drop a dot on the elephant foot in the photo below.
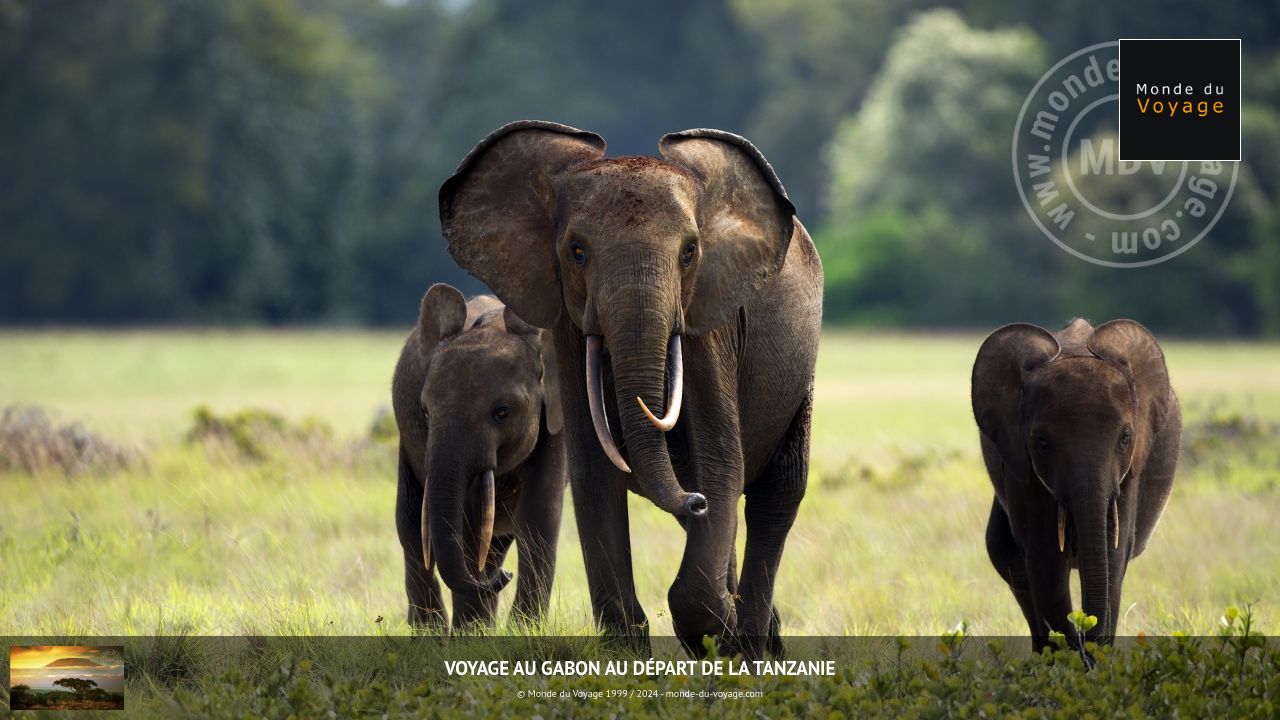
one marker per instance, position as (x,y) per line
(693,644)
(754,646)
(730,646)
(698,612)
(625,631)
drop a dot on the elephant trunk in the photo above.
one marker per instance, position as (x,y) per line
(595,397)
(642,376)
(1094,534)
(638,318)
(445,530)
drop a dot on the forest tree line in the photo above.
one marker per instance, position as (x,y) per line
(277,161)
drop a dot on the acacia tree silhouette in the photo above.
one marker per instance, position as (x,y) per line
(77,685)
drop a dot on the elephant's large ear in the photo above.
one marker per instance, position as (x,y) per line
(745,220)
(1135,350)
(541,339)
(996,391)
(497,211)
(551,385)
(442,315)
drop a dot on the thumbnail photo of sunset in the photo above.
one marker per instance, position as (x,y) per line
(66,677)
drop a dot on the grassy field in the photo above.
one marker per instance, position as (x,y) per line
(889,540)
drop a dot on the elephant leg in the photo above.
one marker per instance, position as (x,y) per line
(470,609)
(599,504)
(426,603)
(537,521)
(773,501)
(729,646)
(700,598)
(1011,564)
(731,573)
(1118,568)
(600,510)
(1049,575)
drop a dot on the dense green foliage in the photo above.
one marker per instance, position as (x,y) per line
(922,204)
(277,160)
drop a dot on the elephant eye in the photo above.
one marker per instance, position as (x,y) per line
(1125,440)
(500,413)
(1042,442)
(578,252)
(689,253)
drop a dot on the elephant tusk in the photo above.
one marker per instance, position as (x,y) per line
(595,398)
(1062,529)
(1115,524)
(486,520)
(675,363)
(426,533)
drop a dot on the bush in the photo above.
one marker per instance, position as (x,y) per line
(256,435)
(30,442)
(251,433)
(1234,448)
(383,429)
(1226,433)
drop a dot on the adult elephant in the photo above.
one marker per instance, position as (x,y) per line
(685,301)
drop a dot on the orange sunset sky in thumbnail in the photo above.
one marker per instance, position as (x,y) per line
(30,666)
(39,656)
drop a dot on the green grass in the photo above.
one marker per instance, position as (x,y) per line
(889,540)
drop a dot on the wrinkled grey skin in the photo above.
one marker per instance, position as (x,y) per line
(462,361)
(1076,420)
(701,244)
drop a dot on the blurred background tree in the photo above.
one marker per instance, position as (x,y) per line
(277,161)
(909,228)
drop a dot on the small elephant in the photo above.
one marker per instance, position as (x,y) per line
(1080,433)
(685,302)
(480,434)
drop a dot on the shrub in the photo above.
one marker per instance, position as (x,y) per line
(30,442)
(257,435)
(1226,433)
(383,429)
(1234,448)
(253,432)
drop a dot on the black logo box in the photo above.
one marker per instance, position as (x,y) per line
(1187,68)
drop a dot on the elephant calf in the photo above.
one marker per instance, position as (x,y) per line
(482,461)
(1080,433)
